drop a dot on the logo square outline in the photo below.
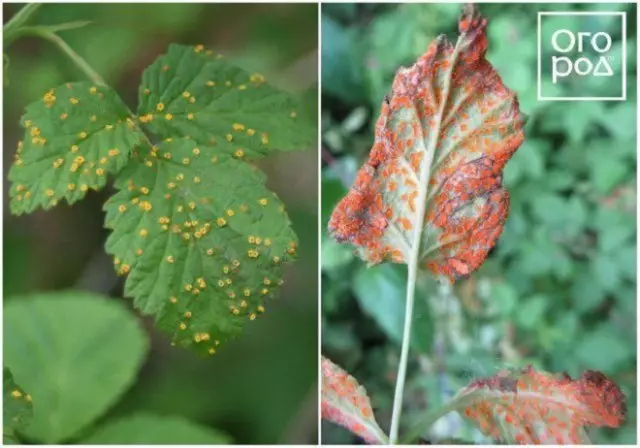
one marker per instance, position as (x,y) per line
(623,15)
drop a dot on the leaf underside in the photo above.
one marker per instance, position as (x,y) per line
(200,236)
(17,408)
(76,135)
(345,402)
(531,407)
(444,135)
(202,239)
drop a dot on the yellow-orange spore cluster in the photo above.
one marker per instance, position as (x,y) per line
(534,407)
(450,126)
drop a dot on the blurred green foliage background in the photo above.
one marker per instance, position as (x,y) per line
(559,289)
(261,388)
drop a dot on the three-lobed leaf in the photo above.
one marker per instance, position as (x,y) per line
(17,408)
(148,429)
(75,353)
(431,191)
(201,239)
(193,224)
(345,402)
(74,136)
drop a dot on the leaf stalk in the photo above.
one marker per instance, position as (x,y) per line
(78,60)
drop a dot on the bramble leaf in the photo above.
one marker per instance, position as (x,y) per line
(17,409)
(146,429)
(431,192)
(345,402)
(531,407)
(75,353)
(192,91)
(201,239)
(74,136)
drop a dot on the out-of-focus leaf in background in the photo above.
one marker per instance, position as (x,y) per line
(76,353)
(152,429)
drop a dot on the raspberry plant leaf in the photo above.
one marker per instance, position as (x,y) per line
(84,351)
(430,195)
(431,191)
(148,429)
(201,238)
(532,407)
(74,136)
(17,409)
(191,91)
(346,403)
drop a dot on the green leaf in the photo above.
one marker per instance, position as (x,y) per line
(603,349)
(342,73)
(17,409)
(346,403)
(75,353)
(192,92)
(335,256)
(74,137)
(380,293)
(146,429)
(202,239)
(531,312)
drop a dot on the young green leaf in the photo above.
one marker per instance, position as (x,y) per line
(431,192)
(74,136)
(345,402)
(531,407)
(146,429)
(201,239)
(193,92)
(17,408)
(75,353)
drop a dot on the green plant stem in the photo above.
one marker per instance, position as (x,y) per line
(10,30)
(404,355)
(78,60)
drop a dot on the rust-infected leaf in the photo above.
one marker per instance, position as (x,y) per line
(431,191)
(345,402)
(531,407)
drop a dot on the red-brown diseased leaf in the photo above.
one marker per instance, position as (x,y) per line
(345,402)
(444,135)
(532,407)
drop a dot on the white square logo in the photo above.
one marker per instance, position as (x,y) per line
(579,59)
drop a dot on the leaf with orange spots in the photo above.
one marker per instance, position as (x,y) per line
(17,409)
(532,407)
(431,192)
(201,238)
(74,136)
(345,402)
(192,91)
